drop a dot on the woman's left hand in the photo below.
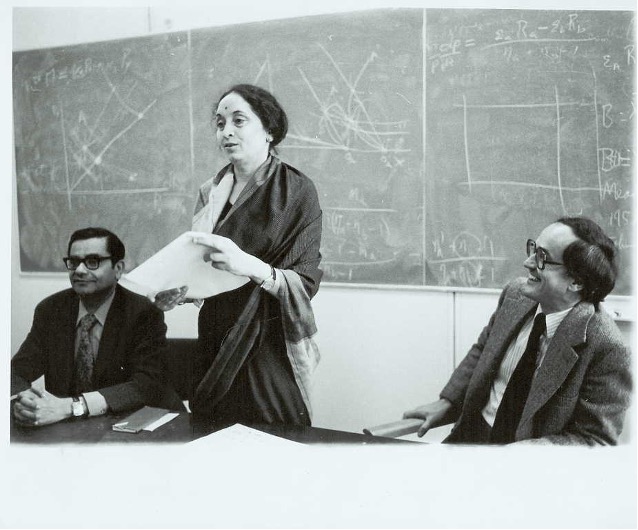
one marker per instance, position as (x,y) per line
(227,256)
(170,298)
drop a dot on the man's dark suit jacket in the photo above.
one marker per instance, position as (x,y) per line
(129,370)
(581,391)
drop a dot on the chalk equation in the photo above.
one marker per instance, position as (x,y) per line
(465,260)
(553,38)
(363,242)
(62,75)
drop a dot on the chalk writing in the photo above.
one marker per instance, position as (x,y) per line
(619,218)
(531,123)
(344,120)
(613,158)
(74,72)
(614,190)
(438,139)
(92,146)
(467,259)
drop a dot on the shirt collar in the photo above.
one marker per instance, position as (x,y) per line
(553,320)
(100,313)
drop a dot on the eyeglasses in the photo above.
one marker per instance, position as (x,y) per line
(91,262)
(541,255)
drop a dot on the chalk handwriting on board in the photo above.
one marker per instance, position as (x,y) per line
(351,87)
(101,139)
(528,121)
(439,140)
(345,121)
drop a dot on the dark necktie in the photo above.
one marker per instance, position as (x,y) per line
(509,411)
(85,357)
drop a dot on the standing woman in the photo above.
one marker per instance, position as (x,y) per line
(256,352)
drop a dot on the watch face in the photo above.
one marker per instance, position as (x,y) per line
(78,409)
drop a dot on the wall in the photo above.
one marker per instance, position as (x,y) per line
(384,350)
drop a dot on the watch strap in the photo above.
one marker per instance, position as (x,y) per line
(77,403)
(269,282)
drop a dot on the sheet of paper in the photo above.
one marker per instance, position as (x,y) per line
(181,262)
(164,419)
(240,435)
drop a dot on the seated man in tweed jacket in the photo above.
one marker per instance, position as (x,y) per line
(573,384)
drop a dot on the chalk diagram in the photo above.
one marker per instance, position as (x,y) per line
(552,109)
(89,169)
(466,258)
(87,145)
(344,122)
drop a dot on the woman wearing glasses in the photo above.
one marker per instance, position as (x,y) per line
(262,221)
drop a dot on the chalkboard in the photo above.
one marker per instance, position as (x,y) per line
(352,86)
(102,138)
(439,140)
(530,117)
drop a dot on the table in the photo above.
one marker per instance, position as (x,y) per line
(182,429)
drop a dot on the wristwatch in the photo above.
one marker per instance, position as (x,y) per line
(77,407)
(269,282)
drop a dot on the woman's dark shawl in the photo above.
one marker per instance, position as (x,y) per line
(277,218)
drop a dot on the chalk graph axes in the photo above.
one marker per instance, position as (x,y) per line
(347,125)
(556,104)
(85,149)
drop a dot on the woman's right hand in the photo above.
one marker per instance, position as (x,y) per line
(167,300)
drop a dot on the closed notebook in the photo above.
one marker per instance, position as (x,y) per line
(140,419)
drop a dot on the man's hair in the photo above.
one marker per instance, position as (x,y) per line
(114,245)
(591,260)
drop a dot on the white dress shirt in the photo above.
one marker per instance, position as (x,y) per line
(513,355)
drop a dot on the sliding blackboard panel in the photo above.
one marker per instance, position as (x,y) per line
(529,117)
(352,87)
(102,137)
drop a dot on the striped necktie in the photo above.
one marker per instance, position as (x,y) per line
(85,356)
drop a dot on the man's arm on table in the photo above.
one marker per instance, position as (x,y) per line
(447,409)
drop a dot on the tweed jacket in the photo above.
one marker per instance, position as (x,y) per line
(129,369)
(581,391)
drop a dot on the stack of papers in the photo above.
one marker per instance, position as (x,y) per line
(180,263)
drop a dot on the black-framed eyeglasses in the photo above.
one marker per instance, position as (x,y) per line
(541,255)
(91,262)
